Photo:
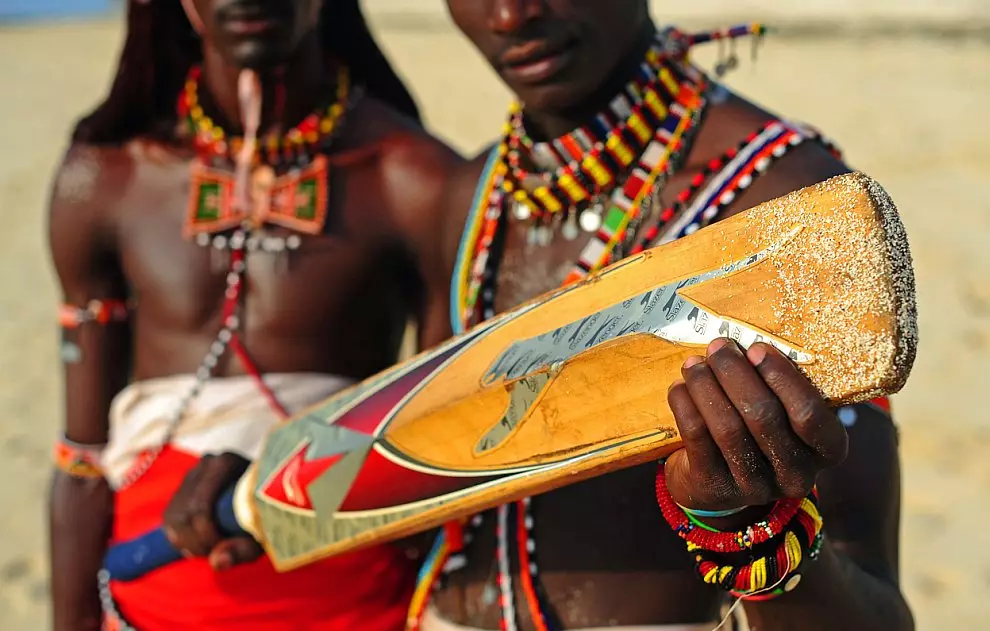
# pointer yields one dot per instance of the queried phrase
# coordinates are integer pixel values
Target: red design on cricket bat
(290, 484)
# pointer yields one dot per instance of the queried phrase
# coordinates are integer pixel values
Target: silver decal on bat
(522, 395)
(661, 311)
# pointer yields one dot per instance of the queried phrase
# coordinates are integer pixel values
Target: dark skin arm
(81, 509)
(756, 430)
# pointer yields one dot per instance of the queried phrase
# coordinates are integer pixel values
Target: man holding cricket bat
(619, 143)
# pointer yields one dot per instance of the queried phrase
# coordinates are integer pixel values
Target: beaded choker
(572, 175)
(211, 141)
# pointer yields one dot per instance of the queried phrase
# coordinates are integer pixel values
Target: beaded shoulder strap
(466, 257)
(736, 172)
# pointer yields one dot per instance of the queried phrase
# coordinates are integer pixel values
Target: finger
(231, 552)
(204, 530)
(809, 414)
(700, 459)
(792, 461)
(200, 498)
(177, 518)
(750, 470)
(189, 516)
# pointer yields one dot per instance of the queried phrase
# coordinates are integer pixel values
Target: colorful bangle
(716, 541)
(712, 514)
(78, 461)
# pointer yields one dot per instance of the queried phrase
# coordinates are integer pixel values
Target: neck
(544, 125)
(289, 92)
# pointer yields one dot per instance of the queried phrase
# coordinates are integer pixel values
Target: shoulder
(83, 195)
(91, 186)
(729, 123)
(93, 179)
(411, 166)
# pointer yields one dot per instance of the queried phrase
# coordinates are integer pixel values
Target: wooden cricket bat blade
(573, 384)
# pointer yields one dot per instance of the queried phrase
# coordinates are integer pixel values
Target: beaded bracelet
(751, 580)
(102, 312)
(716, 541)
(78, 461)
(792, 581)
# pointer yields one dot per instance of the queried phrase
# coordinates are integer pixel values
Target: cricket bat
(573, 384)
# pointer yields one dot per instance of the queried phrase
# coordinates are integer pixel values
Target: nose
(508, 16)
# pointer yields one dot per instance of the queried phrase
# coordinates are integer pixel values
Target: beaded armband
(101, 312)
(78, 461)
(71, 317)
(759, 562)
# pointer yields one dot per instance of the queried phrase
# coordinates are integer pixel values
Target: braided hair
(161, 46)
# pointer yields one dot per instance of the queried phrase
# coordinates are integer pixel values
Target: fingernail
(756, 354)
(694, 360)
(675, 384)
(717, 345)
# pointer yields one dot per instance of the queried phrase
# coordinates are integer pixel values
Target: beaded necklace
(475, 270)
(669, 108)
(214, 220)
(288, 184)
(210, 140)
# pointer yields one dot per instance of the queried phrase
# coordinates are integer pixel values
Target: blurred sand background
(900, 85)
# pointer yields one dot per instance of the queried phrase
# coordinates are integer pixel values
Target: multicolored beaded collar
(630, 151)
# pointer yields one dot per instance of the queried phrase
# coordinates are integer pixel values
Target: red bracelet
(773, 524)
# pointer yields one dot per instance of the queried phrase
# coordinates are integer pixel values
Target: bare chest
(349, 267)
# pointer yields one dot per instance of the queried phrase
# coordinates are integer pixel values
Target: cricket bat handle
(130, 560)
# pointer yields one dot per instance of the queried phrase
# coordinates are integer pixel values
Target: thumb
(236, 551)
(677, 470)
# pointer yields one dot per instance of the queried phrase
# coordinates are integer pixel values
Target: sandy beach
(905, 109)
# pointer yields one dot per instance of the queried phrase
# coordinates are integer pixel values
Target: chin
(559, 97)
(258, 55)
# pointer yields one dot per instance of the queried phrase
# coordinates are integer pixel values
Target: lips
(537, 61)
(251, 19)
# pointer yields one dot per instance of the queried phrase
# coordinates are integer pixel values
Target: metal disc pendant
(591, 219)
(570, 229)
(531, 236)
(544, 235)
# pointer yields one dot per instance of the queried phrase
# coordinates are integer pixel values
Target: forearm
(834, 593)
(80, 517)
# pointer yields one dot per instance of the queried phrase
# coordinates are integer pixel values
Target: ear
(193, 15)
